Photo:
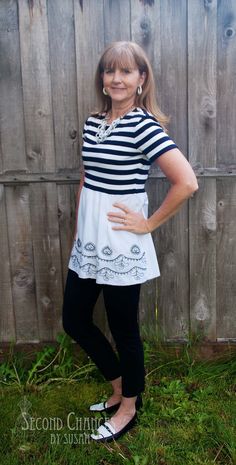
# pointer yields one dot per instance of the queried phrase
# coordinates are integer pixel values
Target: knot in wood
(53, 270)
(23, 278)
(147, 2)
(40, 112)
(208, 108)
(46, 301)
(34, 154)
(201, 310)
(59, 213)
(209, 3)
(145, 25)
(73, 134)
(229, 32)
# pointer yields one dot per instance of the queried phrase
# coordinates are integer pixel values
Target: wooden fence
(48, 54)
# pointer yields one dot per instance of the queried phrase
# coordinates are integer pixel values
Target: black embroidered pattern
(90, 247)
(107, 250)
(135, 249)
(109, 268)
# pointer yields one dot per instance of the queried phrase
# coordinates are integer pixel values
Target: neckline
(120, 117)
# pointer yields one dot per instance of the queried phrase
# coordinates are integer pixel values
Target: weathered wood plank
(47, 259)
(226, 259)
(22, 263)
(226, 83)
(172, 238)
(88, 17)
(147, 36)
(202, 21)
(63, 78)
(7, 322)
(116, 20)
(11, 102)
(73, 176)
(171, 244)
(146, 31)
(66, 217)
(36, 85)
(226, 193)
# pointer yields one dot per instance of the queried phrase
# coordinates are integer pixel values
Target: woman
(113, 249)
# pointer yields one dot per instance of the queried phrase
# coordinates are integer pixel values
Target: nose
(117, 76)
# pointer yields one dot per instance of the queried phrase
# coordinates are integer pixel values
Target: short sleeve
(151, 139)
(84, 130)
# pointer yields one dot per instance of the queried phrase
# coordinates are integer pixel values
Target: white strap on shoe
(104, 431)
(98, 407)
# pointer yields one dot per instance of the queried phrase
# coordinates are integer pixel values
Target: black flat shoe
(106, 432)
(102, 407)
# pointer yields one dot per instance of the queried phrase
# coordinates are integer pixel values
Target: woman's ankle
(117, 387)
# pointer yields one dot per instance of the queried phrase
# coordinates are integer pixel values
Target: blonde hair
(124, 55)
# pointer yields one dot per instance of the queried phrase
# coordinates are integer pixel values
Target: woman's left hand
(129, 220)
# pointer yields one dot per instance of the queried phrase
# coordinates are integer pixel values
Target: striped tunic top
(121, 163)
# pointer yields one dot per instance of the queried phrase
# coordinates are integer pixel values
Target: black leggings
(121, 303)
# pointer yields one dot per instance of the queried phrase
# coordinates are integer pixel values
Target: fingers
(122, 207)
(115, 219)
(116, 215)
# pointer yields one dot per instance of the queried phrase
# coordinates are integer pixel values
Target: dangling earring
(104, 91)
(139, 90)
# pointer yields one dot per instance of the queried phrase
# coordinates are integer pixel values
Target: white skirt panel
(118, 258)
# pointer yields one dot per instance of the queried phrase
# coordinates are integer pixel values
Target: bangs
(118, 57)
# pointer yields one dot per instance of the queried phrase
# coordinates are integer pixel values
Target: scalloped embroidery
(135, 249)
(107, 250)
(109, 268)
(90, 247)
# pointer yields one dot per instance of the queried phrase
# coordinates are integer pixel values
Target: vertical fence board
(12, 135)
(143, 31)
(116, 20)
(36, 85)
(226, 141)
(226, 263)
(226, 83)
(7, 322)
(172, 238)
(63, 78)
(89, 39)
(202, 22)
(22, 265)
(146, 31)
(47, 258)
(66, 214)
(171, 241)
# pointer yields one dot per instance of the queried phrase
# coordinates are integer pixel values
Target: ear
(142, 78)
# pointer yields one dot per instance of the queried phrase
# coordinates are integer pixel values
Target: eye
(126, 70)
(108, 70)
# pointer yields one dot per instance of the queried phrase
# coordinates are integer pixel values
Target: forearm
(77, 203)
(172, 203)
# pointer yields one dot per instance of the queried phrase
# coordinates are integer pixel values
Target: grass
(188, 416)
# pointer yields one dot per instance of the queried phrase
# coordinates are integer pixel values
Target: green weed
(188, 414)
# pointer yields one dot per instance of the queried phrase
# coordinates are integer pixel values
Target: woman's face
(121, 83)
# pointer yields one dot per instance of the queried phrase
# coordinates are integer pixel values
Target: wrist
(148, 226)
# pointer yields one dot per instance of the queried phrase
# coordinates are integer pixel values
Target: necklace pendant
(102, 132)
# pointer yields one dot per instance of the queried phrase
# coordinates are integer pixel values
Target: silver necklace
(102, 132)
